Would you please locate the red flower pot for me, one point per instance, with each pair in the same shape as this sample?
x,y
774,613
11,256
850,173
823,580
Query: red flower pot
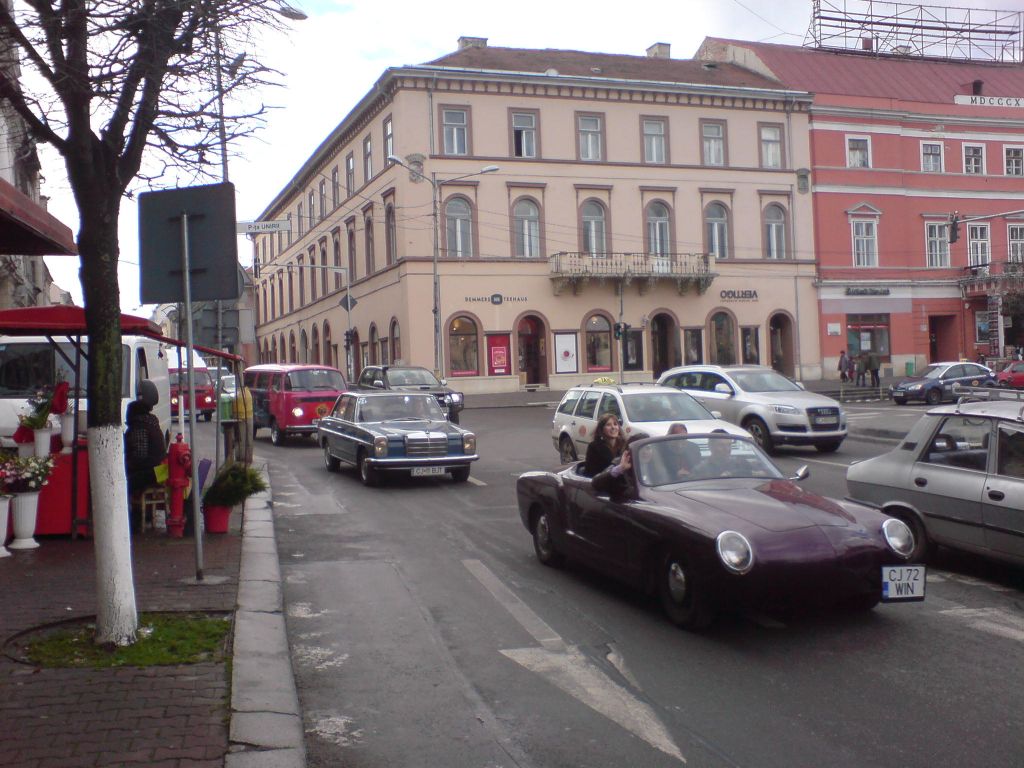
x,y
215,518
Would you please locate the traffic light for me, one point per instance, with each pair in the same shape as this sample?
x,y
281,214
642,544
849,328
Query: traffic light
x,y
348,339
618,330
954,227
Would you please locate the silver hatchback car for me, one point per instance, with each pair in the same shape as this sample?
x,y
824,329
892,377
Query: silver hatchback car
x,y
957,478
772,408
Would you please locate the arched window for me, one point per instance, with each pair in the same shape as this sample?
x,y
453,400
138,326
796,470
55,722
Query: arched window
x,y
339,278
658,232
716,226
292,353
282,353
314,347
273,351
303,347
396,342
351,254
312,274
373,345
526,229
594,229
462,347
328,356
257,305
458,227
323,270
368,231
390,234
723,339
273,303
775,232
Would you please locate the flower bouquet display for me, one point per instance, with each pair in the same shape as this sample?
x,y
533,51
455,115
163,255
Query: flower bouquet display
x,y
25,476
34,426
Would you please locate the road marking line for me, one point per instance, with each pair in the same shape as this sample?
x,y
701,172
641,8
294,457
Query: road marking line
x,y
570,670
478,483
994,621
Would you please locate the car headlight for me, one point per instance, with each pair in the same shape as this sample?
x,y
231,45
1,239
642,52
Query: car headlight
x,y
787,409
207,399
915,387
455,398
898,536
734,551
174,401
297,413
468,443
380,447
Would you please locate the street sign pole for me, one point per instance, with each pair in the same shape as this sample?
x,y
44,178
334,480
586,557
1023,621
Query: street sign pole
x,y
186,279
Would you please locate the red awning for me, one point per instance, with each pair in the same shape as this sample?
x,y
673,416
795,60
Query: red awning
x,y
27,229
64,320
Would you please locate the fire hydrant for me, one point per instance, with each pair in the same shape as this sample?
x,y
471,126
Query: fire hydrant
x,y
179,474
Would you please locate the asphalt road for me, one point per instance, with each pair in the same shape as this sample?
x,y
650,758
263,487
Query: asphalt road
x,y
424,633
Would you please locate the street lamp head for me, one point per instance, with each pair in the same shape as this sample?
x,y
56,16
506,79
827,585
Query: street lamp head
x,y
395,159
489,169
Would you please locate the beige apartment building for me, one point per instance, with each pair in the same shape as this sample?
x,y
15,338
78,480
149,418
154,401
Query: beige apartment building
x,y
537,200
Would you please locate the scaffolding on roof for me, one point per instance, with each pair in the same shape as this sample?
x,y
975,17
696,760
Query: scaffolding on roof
x,y
874,27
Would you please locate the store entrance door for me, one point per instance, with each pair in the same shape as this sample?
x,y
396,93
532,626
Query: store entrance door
x,y
533,365
780,331
664,344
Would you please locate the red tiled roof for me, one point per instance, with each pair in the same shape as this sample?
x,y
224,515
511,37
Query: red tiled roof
x,y
583,64
880,76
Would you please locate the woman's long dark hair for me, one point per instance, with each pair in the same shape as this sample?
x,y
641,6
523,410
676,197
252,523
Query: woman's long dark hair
x,y
616,445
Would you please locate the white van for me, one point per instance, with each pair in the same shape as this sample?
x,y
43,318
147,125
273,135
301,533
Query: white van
x,y
30,362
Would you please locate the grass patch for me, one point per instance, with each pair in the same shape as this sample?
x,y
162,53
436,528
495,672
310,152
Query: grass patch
x,y
163,639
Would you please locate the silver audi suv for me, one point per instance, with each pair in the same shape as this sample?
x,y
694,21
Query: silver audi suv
x,y
772,408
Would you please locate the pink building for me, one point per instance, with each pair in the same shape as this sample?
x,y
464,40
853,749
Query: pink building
x,y
899,144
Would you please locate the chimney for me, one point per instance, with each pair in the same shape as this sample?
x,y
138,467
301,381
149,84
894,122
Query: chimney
x,y
472,42
867,43
977,86
659,51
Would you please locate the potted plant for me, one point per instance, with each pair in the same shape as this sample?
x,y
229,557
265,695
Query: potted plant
x,y
34,426
233,485
24,477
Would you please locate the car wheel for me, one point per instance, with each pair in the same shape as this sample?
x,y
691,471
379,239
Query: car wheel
x,y
207,416
460,474
681,596
900,400
933,397
367,473
329,461
542,543
830,447
566,450
989,384
277,436
759,431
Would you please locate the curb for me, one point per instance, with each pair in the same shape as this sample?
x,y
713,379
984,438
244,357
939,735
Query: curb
x,y
266,721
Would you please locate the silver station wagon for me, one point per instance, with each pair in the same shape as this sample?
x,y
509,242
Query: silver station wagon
x,y
957,478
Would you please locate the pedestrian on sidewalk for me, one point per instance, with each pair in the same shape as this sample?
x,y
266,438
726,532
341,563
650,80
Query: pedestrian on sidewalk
x,y
844,366
861,368
874,363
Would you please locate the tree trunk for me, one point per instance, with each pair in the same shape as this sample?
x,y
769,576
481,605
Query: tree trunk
x,y
116,617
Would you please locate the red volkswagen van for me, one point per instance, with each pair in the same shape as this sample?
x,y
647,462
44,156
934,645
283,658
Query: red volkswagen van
x,y
287,399
206,402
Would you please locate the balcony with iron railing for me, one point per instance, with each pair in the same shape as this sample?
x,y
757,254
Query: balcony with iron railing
x,y
993,277
573,269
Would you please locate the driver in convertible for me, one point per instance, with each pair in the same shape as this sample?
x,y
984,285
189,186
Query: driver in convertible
x,y
721,461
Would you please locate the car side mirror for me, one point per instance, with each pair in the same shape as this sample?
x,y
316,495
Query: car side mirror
x,y
800,384
724,388
717,414
444,382
378,384
802,473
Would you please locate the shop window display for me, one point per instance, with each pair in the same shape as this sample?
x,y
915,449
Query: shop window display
x,y
462,346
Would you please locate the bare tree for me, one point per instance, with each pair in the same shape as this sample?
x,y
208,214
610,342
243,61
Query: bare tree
x,y
125,90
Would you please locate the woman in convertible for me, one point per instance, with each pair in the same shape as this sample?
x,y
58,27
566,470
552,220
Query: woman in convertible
x,y
606,446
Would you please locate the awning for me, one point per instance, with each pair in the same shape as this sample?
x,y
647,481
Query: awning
x,y
27,229
64,320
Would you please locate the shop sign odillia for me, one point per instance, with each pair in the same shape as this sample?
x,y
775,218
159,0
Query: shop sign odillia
x,y
744,295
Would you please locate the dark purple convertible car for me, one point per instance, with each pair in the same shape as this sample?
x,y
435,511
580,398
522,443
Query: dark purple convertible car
x,y
709,522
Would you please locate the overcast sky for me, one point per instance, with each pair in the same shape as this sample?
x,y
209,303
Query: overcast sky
x,y
332,59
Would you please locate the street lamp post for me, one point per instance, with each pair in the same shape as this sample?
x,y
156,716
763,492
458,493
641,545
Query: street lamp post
x,y
435,208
